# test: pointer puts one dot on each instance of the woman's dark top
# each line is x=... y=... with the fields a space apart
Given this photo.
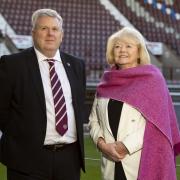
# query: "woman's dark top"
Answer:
x=114 y=113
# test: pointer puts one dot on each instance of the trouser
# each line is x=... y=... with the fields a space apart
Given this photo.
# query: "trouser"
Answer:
x=63 y=163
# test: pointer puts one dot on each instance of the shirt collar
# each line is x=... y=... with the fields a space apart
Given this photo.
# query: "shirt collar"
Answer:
x=41 y=57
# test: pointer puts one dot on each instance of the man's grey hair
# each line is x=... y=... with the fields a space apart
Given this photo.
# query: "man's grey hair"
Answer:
x=46 y=12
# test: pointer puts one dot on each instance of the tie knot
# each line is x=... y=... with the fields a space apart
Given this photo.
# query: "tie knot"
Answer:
x=50 y=61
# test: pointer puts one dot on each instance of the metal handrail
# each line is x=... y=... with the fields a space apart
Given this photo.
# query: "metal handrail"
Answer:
x=175 y=93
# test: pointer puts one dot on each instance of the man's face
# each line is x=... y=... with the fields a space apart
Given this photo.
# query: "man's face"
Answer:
x=47 y=35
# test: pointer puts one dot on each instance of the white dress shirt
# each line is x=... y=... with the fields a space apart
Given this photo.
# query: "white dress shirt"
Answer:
x=52 y=136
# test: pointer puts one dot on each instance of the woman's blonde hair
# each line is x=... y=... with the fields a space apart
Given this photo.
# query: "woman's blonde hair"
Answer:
x=127 y=34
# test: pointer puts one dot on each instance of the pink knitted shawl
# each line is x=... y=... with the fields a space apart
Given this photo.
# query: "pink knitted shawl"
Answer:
x=145 y=89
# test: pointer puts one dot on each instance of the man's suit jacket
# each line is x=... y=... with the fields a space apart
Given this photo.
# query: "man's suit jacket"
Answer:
x=23 y=109
x=130 y=132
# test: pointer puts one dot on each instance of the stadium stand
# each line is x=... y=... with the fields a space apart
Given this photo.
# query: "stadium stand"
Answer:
x=88 y=24
x=154 y=25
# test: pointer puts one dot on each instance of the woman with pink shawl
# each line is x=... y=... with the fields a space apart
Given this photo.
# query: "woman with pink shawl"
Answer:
x=132 y=121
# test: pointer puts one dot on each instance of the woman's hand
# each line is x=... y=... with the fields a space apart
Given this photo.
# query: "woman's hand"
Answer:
x=121 y=149
x=109 y=150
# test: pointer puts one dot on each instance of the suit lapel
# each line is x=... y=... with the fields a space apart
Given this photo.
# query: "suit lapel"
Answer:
x=36 y=77
x=68 y=66
x=105 y=112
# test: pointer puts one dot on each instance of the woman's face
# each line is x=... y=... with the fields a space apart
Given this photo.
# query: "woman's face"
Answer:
x=126 y=54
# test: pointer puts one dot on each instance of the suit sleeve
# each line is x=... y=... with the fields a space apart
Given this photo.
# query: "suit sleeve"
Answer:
x=94 y=123
x=84 y=76
x=5 y=93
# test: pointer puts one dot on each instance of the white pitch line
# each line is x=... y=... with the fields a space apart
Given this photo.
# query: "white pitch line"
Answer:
x=93 y=159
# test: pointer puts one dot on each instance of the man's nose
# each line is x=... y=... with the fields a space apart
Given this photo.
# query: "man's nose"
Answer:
x=50 y=31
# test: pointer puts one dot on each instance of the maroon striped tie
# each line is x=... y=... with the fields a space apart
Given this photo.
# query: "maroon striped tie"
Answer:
x=59 y=101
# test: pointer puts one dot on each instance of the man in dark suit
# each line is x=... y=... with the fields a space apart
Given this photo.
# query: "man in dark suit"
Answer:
x=32 y=147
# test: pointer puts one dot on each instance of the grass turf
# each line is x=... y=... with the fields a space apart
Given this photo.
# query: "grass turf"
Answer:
x=92 y=163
